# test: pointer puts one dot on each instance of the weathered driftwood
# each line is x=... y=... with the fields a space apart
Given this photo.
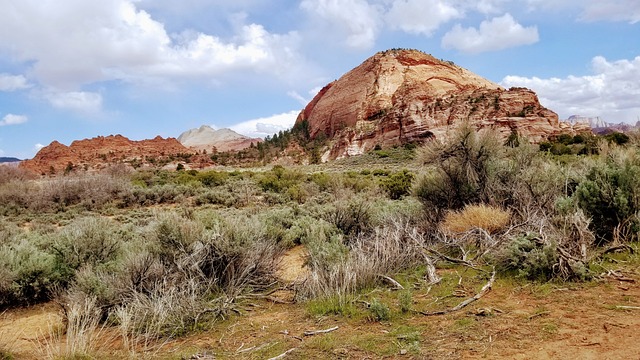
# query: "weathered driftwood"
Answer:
x=282 y=356
x=316 y=332
x=396 y=285
x=485 y=289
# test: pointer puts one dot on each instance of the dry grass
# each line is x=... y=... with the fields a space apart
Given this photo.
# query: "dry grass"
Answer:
x=80 y=337
x=489 y=218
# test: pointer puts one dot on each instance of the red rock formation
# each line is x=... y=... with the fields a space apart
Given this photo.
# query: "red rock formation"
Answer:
x=100 y=151
x=401 y=96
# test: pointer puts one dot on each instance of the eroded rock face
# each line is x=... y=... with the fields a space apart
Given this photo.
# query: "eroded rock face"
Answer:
x=401 y=96
x=101 y=151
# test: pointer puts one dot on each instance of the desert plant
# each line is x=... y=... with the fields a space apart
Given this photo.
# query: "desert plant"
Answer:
x=488 y=218
x=81 y=333
x=89 y=241
x=609 y=195
x=379 y=311
x=405 y=301
x=398 y=184
x=460 y=169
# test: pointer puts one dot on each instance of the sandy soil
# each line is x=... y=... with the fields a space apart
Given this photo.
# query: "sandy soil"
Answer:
x=598 y=320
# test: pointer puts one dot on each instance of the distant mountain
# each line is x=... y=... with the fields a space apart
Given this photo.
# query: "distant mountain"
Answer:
x=206 y=138
x=101 y=151
x=8 y=160
x=406 y=96
x=594 y=122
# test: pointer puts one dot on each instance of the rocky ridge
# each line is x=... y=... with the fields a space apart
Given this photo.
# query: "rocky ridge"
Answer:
x=208 y=139
x=401 y=96
x=101 y=151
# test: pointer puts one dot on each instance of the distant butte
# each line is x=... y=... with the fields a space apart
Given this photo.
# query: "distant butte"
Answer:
x=101 y=151
x=401 y=96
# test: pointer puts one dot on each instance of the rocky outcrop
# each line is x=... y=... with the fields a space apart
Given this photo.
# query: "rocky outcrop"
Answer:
x=401 y=96
x=210 y=140
x=101 y=151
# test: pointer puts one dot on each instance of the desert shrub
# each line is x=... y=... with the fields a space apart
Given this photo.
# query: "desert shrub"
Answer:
x=323 y=180
x=491 y=219
x=12 y=173
x=459 y=170
x=174 y=234
x=339 y=270
x=529 y=257
x=398 y=184
x=213 y=178
x=405 y=301
x=279 y=179
x=617 y=138
x=27 y=272
x=217 y=196
x=532 y=257
x=609 y=195
x=352 y=217
x=179 y=274
x=90 y=241
x=379 y=311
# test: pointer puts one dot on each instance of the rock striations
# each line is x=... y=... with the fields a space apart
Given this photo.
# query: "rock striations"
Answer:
x=400 y=96
x=100 y=151
x=206 y=138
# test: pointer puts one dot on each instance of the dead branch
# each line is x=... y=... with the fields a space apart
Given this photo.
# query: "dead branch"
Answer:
x=316 y=332
x=432 y=275
x=485 y=289
x=282 y=356
x=397 y=285
x=619 y=248
x=623 y=307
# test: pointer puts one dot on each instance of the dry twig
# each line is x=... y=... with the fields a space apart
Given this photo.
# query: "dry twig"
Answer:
x=485 y=289
x=282 y=356
x=316 y=332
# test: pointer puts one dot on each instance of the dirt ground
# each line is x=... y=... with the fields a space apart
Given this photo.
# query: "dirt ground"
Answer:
x=595 y=320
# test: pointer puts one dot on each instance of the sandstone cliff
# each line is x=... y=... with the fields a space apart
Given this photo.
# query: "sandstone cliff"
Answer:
x=206 y=138
x=101 y=151
x=401 y=96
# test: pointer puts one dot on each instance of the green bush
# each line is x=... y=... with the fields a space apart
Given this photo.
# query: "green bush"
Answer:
x=610 y=196
x=90 y=241
x=379 y=311
x=530 y=258
x=212 y=178
x=27 y=272
x=398 y=184
x=461 y=169
x=352 y=217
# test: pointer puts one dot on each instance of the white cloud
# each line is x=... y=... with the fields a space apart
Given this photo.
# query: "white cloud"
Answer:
x=38 y=147
x=266 y=126
x=421 y=16
x=10 y=82
x=358 y=20
x=72 y=43
x=612 y=92
x=593 y=10
x=496 y=34
x=612 y=10
x=12 y=119
x=77 y=101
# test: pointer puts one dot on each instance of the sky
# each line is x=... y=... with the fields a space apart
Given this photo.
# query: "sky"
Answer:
x=74 y=69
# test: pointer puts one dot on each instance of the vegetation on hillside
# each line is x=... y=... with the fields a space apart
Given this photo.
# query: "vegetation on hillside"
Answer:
x=158 y=254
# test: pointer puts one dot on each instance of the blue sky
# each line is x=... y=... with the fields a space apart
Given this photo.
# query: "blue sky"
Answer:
x=73 y=69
